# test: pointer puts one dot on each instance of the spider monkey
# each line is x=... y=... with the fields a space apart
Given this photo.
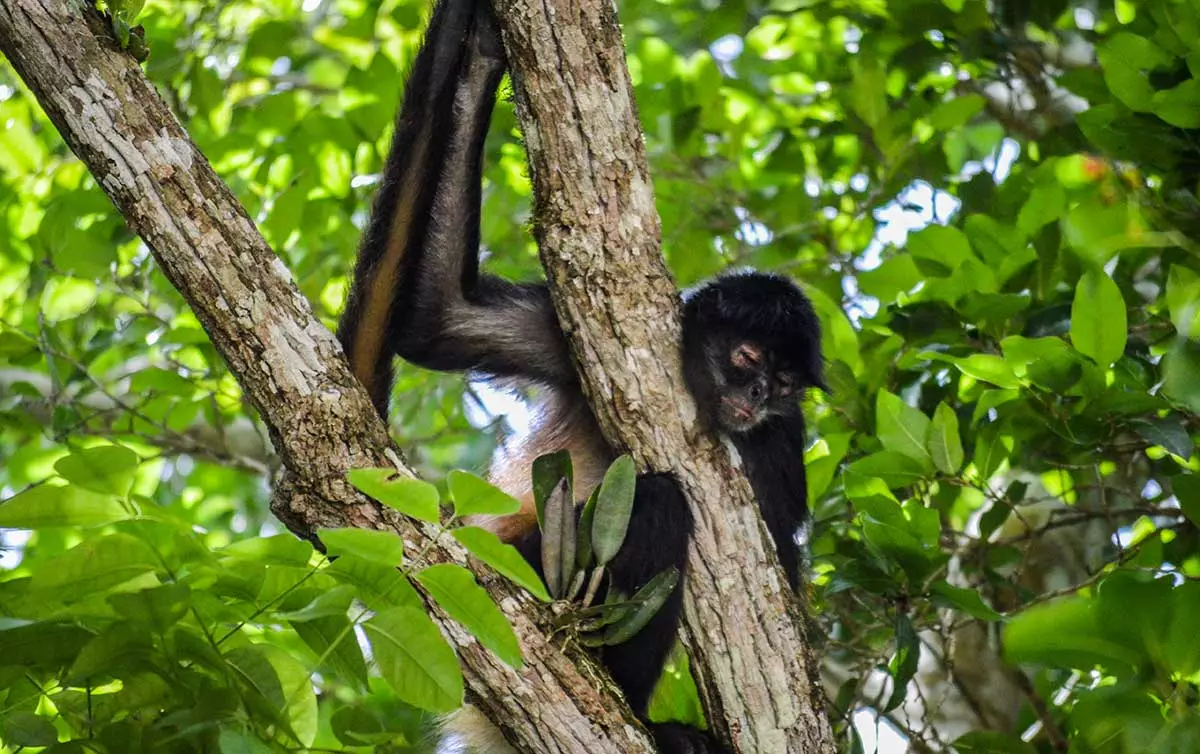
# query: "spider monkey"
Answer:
x=751 y=343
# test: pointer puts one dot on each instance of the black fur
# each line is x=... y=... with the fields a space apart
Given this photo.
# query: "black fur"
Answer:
x=657 y=539
x=751 y=341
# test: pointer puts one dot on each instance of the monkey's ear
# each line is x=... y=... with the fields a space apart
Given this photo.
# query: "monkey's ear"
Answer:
x=814 y=375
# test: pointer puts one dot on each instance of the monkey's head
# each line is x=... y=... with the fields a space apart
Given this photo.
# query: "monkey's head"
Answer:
x=751 y=346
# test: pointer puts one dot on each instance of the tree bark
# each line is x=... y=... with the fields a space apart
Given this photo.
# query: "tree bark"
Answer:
x=291 y=367
x=598 y=233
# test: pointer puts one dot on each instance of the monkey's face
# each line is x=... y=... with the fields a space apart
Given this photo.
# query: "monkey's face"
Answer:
x=749 y=385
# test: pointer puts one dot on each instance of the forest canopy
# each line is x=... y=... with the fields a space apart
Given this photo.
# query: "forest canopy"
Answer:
x=993 y=206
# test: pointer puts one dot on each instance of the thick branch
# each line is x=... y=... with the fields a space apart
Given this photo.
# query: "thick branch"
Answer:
x=290 y=367
x=598 y=232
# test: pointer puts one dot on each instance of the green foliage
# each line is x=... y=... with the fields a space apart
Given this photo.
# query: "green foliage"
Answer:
x=136 y=628
x=993 y=206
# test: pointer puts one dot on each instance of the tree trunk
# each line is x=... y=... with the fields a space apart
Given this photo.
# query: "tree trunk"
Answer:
x=289 y=365
x=598 y=233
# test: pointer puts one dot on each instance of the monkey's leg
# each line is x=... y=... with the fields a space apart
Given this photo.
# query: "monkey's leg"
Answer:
x=410 y=180
x=657 y=539
x=450 y=317
x=773 y=455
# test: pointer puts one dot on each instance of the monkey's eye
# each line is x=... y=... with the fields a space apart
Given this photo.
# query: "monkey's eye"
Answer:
x=787 y=383
x=745 y=356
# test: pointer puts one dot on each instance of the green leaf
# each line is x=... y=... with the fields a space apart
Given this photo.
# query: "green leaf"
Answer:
x=649 y=599
x=42 y=645
x=415 y=660
x=901 y=428
x=454 y=589
x=157 y=608
x=992 y=742
x=412 y=497
x=584 y=555
x=968 y=601
x=106 y=469
x=547 y=470
x=332 y=603
x=278 y=549
x=1127 y=60
x=1169 y=432
x=1045 y=204
x=67 y=298
x=956 y=112
x=95 y=565
x=284 y=685
x=111 y=654
x=558 y=539
x=1182 y=651
x=988 y=368
x=332 y=639
x=1180 y=367
x=1063 y=634
x=505 y=558
x=895 y=469
x=943 y=441
x=379 y=586
x=1183 y=300
x=1187 y=491
x=473 y=496
x=992 y=448
x=868 y=96
x=903 y=664
x=238 y=741
x=382 y=547
x=47 y=505
x=985 y=367
x=614 y=506
x=21 y=729
x=1179 y=106
x=1098 y=323
x=943 y=247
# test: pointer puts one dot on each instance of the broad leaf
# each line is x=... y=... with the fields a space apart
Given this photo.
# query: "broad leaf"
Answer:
x=412 y=497
x=382 y=547
x=1098 y=324
x=454 y=589
x=473 y=496
x=415 y=660
x=107 y=469
x=50 y=505
x=943 y=442
x=505 y=558
x=614 y=506
x=901 y=428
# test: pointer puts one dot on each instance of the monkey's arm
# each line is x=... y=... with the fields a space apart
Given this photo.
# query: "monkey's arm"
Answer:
x=773 y=455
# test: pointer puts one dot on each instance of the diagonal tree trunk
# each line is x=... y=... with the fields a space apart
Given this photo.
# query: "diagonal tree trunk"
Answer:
x=289 y=365
x=598 y=232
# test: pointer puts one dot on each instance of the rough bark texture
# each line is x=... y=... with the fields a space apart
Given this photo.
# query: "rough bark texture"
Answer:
x=291 y=367
x=598 y=231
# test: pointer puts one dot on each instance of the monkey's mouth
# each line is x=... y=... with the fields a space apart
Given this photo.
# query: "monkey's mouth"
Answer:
x=737 y=416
